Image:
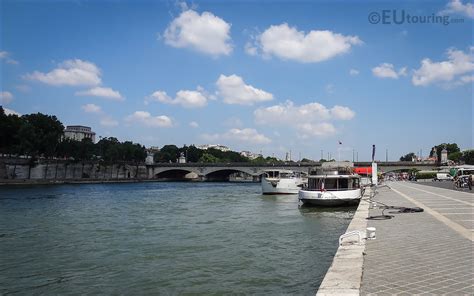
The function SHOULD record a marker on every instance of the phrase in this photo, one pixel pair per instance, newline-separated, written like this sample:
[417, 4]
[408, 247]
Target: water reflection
[314, 212]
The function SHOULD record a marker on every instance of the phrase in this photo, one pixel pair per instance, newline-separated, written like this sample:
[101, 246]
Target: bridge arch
[176, 174]
[224, 174]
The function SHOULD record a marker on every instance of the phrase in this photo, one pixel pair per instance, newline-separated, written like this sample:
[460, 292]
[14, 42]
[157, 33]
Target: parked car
[443, 177]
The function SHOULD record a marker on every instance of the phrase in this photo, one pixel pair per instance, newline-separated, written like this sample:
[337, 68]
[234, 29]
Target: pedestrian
[469, 181]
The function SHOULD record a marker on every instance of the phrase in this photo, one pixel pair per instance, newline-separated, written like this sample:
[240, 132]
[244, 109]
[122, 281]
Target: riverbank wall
[14, 171]
[344, 276]
[21, 171]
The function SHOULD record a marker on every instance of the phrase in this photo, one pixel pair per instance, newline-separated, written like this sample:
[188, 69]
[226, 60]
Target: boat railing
[339, 189]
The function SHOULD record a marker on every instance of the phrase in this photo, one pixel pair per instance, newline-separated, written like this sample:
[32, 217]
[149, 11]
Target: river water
[163, 238]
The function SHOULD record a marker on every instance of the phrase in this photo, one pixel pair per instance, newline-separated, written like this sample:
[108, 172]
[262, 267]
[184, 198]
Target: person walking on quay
[469, 181]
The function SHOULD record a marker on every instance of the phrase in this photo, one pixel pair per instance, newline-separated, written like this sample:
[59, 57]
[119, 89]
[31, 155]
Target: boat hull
[281, 186]
[330, 198]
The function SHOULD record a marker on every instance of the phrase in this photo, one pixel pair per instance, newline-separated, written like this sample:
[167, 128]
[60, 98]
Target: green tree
[192, 153]
[455, 156]
[451, 148]
[227, 156]
[9, 127]
[468, 156]
[408, 157]
[108, 149]
[40, 134]
[208, 158]
[169, 153]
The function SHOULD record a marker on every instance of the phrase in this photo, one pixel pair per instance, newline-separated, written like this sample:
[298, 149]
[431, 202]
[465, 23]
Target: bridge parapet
[204, 169]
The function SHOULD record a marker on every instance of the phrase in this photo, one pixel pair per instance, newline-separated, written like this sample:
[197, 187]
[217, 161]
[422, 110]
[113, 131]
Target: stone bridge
[222, 171]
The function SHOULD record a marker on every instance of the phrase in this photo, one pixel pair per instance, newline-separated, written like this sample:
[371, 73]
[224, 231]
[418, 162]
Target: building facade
[79, 132]
[250, 155]
[214, 146]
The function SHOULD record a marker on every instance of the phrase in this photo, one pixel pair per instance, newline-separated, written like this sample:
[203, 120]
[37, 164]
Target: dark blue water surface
[163, 238]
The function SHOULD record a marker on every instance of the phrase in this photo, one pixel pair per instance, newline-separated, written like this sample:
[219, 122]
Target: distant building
[444, 156]
[182, 158]
[153, 149]
[214, 146]
[150, 153]
[149, 159]
[79, 132]
[250, 155]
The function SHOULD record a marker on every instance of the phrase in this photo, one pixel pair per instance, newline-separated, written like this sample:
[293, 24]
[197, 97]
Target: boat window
[355, 183]
[330, 184]
[343, 183]
[285, 175]
[314, 183]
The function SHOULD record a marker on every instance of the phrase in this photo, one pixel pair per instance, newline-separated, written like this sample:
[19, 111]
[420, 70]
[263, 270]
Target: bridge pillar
[202, 178]
[256, 178]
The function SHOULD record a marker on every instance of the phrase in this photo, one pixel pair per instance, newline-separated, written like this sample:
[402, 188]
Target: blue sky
[269, 76]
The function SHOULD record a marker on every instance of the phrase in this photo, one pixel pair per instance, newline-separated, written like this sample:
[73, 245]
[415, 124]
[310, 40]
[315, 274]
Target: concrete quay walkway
[427, 253]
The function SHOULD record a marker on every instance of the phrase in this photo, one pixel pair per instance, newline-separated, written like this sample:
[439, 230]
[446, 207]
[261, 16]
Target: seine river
[163, 238]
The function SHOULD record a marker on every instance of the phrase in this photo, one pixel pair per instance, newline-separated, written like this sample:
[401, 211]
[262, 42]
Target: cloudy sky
[270, 77]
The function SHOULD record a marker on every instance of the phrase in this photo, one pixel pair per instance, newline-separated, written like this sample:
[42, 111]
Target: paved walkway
[428, 253]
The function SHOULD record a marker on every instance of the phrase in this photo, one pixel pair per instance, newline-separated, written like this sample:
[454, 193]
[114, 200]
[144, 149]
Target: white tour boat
[280, 181]
[332, 187]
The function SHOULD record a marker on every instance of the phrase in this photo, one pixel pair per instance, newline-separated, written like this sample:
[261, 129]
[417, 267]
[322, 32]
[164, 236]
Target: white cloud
[186, 98]
[466, 79]
[458, 64]
[10, 112]
[70, 72]
[354, 72]
[288, 113]
[288, 43]
[250, 49]
[204, 32]
[342, 113]
[5, 97]
[233, 90]
[108, 122]
[91, 108]
[146, 119]
[246, 135]
[386, 70]
[312, 119]
[322, 129]
[457, 7]
[4, 55]
[103, 92]
[194, 124]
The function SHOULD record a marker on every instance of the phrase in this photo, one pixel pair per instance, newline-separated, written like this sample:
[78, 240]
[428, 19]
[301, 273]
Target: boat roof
[333, 176]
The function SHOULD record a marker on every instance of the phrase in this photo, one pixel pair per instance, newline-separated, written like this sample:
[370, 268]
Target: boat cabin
[333, 182]
[280, 174]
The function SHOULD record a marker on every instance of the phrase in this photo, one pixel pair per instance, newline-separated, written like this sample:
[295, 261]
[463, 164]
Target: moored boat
[336, 186]
[280, 181]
